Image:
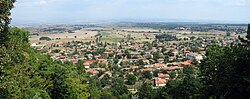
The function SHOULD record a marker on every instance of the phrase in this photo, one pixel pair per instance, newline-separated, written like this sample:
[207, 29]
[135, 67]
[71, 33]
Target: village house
[194, 56]
[93, 72]
[160, 82]
[87, 63]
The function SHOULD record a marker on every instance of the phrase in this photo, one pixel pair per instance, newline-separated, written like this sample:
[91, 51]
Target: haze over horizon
[77, 11]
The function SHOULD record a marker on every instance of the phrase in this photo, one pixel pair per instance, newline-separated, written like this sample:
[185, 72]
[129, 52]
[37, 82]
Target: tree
[155, 55]
[146, 92]
[140, 62]
[142, 53]
[248, 32]
[5, 7]
[192, 37]
[106, 94]
[195, 49]
[131, 79]
[172, 74]
[246, 42]
[124, 96]
[147, 75]
[104, 81]
[162, 93]
[45, 38]
[67, 83]
[25, 73]
[225, 72]
[186, 86]
[94, 91]
[191, 84]
[15, 62]
[118, 88]
[155, 72]
[97, 39]
[80, 68]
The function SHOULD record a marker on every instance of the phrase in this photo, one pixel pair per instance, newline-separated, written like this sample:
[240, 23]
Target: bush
[45, 38]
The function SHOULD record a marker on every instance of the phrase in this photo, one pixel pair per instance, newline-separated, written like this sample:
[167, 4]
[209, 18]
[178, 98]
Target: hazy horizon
[80, 11]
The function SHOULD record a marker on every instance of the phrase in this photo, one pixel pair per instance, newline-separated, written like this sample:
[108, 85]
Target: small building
[160, 82]
[86, 65]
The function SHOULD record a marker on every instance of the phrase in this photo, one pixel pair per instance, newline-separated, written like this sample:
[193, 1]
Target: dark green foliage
[118, 88]
[81, 69]
[131, 79]
[185, 87]
[172, 75]
[248, 32]
[225, 72]
[162, 93]
[147, 75]
[192, 38]
[45, 38]
[99, 51]
[124, 96]
[104, 81]
[94, 91]
[195, 49]
[5, 7]
[155, 55]
[199, 38]
[36, 94]
[155, 72]
[170, 53]
[27, 74]
[55, 51]
[165, 37]
[140, 63]
[246, 42]
[107, 95]
[146, 92]
[67, 83]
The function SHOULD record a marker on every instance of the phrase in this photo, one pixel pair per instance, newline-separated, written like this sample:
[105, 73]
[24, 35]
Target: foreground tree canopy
[5, 7]
[248, 32]
[27, 74]
[226, 72]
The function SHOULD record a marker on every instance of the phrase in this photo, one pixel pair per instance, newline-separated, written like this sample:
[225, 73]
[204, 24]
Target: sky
[77, 11]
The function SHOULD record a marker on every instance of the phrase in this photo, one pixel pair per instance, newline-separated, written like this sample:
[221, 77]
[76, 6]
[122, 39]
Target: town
[137, 53]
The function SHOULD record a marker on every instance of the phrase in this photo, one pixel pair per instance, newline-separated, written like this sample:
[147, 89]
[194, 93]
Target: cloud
[218, 2]
[240, 2]
[29, 3]
[234, 2]
[42, 2]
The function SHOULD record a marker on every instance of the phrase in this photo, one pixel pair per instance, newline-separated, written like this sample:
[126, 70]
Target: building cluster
[163, 60]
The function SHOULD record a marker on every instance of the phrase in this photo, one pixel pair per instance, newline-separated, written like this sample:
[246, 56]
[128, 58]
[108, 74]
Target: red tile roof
[88, 62]
[158, 65]
[172, 68]
[161, 75]
[160, 81]
[147, 69]
[74, 60]
[92, 71]
[62, 57]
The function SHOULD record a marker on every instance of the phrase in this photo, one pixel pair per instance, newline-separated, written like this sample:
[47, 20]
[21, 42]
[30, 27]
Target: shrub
[45, 38]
